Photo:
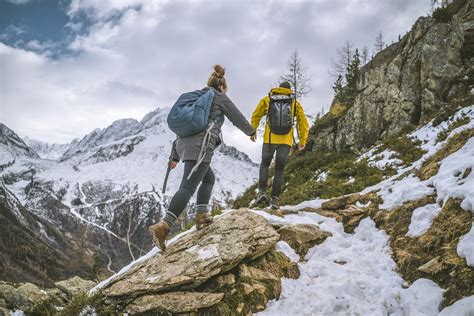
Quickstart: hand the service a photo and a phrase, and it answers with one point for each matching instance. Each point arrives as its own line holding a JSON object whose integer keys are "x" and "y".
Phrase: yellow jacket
{"x": 301, "y": 119}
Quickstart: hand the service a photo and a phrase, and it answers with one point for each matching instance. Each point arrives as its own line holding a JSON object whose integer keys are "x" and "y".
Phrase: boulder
{"x": 174, "y": 302}
{"x": 31, "y": 295}
{"x": 301, "y": 237}
{"x": 196, "y": 257}
{"x": 340, "y": 202}
{"x": 432, "y": 267}
{"x": 75, "y": 285}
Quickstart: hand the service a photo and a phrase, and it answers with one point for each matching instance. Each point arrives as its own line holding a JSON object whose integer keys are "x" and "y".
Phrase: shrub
{"x": 442, "y": 15}
{"x": 406, "y": 148}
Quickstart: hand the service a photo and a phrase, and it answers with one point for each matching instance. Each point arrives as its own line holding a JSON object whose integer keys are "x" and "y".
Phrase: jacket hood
{"x": 280, "y": 90}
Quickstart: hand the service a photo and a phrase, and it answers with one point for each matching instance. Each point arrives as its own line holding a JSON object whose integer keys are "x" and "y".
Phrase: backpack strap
{"x": 202, "y": 152}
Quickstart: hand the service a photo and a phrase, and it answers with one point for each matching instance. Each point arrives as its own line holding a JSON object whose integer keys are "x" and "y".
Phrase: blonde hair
{"x": 217, "y": 80}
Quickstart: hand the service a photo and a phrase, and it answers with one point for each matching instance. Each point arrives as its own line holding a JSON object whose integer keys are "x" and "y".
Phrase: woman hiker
{"x": 188, "y": 149}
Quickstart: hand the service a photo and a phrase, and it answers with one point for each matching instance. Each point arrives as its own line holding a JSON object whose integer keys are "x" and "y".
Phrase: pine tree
{"x": 338, "y": 86}
{"x": 343, "y": 58}
{"x": 365, "y": 55}
{"x": 296, "y": 76}
{"x": 379, "y": 43}
{"x": 352, "y": 75}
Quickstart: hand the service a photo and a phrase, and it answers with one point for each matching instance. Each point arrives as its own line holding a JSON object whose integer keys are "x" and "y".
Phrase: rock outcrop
{"x": 230, "y": 266}
{"x": 34, "y": 300}
{"x": 429, "y": 70}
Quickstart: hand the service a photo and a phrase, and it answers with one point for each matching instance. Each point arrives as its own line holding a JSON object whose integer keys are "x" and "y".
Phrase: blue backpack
{"x": 190, "y": 113}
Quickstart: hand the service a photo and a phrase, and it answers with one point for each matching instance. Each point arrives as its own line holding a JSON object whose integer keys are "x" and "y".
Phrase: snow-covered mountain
{"x": 46, "y": 150}
{"x": 111, "y": 180}
{"x": 12, "y": 146}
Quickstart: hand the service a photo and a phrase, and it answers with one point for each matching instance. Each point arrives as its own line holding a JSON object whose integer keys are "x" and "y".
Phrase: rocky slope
{"x": 427, "y": 73}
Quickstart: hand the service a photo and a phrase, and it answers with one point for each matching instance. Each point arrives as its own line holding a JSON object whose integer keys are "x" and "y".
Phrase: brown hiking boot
{"x": 159, "y": 232}
{"x": 203, "y": 220}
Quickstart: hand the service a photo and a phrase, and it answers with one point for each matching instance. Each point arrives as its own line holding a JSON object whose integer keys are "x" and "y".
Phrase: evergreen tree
{"x": 338, "y": 86}
{"x": 352, "y": 76}
{"x": 365, "y": 55}
{"x": 379, "y": 43}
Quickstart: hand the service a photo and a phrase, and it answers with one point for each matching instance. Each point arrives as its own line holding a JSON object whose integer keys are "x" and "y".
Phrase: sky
{"x": 68, "y": 67}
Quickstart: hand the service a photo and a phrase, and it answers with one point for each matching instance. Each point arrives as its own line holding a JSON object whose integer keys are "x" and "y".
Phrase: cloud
{"x": 134, "y": 56}
{"x": 18, "y": 2}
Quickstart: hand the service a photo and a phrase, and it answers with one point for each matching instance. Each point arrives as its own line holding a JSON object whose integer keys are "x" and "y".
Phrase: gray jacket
{"x": 188, "y": 148}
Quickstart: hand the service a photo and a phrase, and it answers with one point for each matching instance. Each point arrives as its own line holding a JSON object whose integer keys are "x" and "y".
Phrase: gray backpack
{"x": 280, "y": 114}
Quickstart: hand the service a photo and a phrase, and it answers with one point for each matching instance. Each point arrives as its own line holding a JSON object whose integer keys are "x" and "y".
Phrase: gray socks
{"x": 169, "y": 219}
{"x": 201, "y": 208}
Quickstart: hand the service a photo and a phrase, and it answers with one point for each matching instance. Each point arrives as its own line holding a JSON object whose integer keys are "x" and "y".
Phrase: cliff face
{"x": 429, "y": 71}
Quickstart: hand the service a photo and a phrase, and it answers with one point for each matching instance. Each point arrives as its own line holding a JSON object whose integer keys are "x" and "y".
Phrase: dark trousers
{"x": 281, "y": 158}
{"x": 204, "y": 176}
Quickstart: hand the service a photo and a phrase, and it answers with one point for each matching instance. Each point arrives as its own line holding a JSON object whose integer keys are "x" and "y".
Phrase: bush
{"x": 442, "y": 15}
{"x": 406, "y": 148}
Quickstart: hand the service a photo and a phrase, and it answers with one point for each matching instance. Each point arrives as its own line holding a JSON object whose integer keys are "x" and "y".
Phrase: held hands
{"x": 172, "y": 164}
{"x": 253, "y": 137}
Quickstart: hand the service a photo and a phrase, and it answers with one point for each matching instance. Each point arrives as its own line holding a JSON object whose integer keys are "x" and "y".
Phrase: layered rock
{"x": 229, "y": 267}
{"x": 429, "y": 69}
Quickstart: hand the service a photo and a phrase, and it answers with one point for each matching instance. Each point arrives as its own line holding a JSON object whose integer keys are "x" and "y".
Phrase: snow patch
{"x": 204, "y": 252}
{"x": 465, "y": 247}
{"x": 463, "y": 307}
{"x": 422, "y": 218}
{"x": 423, "y": 297}
{"x": 286, "y": 249}
{"x": 398, "y": 192}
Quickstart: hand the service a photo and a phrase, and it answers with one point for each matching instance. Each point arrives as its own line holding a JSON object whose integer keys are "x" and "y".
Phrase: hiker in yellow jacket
{"x": 280, "y": 108}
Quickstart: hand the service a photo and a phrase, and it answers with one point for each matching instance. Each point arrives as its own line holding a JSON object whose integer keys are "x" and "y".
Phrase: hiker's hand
{"x": 301, "y": 146}
{"x": 253, "y": 137}
{"x": 172, "y": 164}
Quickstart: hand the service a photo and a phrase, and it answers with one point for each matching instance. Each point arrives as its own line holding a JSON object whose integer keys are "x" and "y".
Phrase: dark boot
{"x": 203, "y": 220}
{"x": 159, "y": 232}
{"x": 274, "y": 203}
{"x": 261, "y": 197}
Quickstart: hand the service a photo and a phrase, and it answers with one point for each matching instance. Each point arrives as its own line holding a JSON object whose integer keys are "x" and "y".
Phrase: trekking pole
{"x": 168, "y": 170}
{"x": 166, "y": 177}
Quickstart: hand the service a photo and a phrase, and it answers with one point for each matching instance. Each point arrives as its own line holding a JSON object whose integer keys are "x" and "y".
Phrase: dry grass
{"x": 441, "y": 240}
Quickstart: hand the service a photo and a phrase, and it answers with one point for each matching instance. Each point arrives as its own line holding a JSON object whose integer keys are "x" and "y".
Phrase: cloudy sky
{"x": 67, "y": 67}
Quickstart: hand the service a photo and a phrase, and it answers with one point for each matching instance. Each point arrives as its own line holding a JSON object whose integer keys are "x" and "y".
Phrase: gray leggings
{"x": 204, "y": 176}
{"x": 281, "y": 158}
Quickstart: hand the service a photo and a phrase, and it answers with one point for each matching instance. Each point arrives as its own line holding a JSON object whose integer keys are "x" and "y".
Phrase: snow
{"x": 204, "y": 252}
{"x": 16, "y": 312}
{"x": 421, "y": 219}
{"x": 381, "y": 160}
{"x": 449, "y": 182}
{"x": 347, "y": 274}
{"x": 286, "y": 249}
{"x": 463, "y": 307}
{"x": 423, "y": 297}
{"x": 400, "y": 191}
{"x": 465, "y": 248}
{"x": 316, "y": 203}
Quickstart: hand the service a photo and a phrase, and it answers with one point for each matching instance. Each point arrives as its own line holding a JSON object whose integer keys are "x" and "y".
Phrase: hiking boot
{"x": 274, "y": 203}
{"x": 203, "y": 220}
{"x": 159, "y": 232}
{"x": 261, "y": 197}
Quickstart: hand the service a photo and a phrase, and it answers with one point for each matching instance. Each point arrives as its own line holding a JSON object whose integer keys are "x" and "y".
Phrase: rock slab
{"x": 198, "y": 256}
